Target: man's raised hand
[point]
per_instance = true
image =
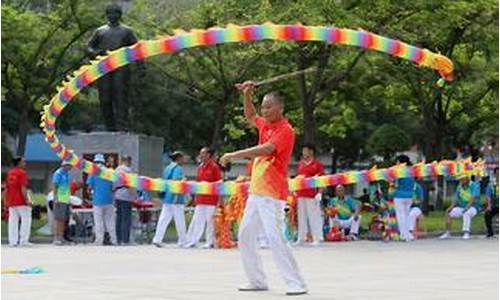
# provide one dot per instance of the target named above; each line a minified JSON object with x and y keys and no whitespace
{"x":246,"y":87}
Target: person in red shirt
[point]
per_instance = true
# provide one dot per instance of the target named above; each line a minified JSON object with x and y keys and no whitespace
{"x":208,"y":171}
{"x":268,"y":187}
{"x":18,"y":203}
{"x":309,"y":200}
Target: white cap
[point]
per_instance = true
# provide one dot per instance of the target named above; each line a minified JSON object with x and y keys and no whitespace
{"x":99,"y":158}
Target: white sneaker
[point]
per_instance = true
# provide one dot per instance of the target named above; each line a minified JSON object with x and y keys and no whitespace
{"x":159,"y":245}
{"x":189,"y":245}
{"x":263,"y":246}
{"x":353,"y":237}
{"x":252,"y":288}
{"x":208,"y":246}
{"x":26,"y":244}
{"x":466,"y":236}
{"x":298,"y":243}
{"x":58,"y":243}
{"x":445,"y":236}
{"x":316,"y":243}
{"x":296,"y":291}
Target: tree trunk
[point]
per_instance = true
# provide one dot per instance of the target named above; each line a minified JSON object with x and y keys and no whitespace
{"x":334,"y":162}
{"x":23,"y":133}
{"x":309,"y":121}
{"x":219,"y":121}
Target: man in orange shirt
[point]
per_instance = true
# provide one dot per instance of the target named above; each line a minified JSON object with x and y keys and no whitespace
{"x":308,"y":205}
{"x":18,"y":203}
{"x":268,"y":186}
{"x":205,"y":204}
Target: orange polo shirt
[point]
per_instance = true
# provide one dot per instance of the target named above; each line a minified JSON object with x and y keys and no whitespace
{"x":269,"y":173}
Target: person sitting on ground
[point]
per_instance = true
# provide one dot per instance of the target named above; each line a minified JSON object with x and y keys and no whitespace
{"x":348,"y":212}
{"x":416,"y":208}
{"x":365,"y":197}
{"x":465,"y":204}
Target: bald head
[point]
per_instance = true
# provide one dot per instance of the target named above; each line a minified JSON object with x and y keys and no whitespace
{"x":340,"y":191}
{"x":272,"y":107}
{"x":277,"y":97}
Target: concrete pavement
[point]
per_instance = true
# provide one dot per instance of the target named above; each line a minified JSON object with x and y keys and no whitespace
{"x":424,"y":269}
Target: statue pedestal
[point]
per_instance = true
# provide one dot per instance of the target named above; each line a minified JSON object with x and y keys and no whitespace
{"x":146,"y":151}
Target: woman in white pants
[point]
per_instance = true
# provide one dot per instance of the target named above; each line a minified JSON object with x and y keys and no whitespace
{"x":309,"y":200}
{"x":204,"y":211}
{"x":102,"y":205}
{"x":173,"y":204}
{"x":465,"y":205}
{"x":403,"y":198}
{"x":19,"y":204}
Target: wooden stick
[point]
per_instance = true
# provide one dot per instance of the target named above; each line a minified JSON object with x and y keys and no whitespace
{"x":284,"y":76}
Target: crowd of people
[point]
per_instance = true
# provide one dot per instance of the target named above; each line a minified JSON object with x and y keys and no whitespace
{"x":316,"y":208}
{"x":265,"y":207}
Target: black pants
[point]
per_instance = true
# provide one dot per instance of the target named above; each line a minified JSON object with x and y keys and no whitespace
{"x":123,"y":220}
{"x":488,"y":219}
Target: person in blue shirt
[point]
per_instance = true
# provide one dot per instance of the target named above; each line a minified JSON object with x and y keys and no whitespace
{"x":347,"y":212}
{"x":403,"y":198}
{"x":416,"y":207}
{"x":102,"y":201}
{"x":491,"y":203}
{"x":173,"y":204}
{"x":465,"y":204}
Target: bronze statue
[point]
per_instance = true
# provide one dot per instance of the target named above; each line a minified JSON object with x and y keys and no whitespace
{"x":113,"y":87}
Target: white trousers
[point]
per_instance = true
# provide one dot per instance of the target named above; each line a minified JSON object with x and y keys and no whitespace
{"x":104,"y":220}
{"x":266,"y":212}
{"x":415,"y":212}
{"x":17,"y":213}
{"x":467,"y":216}
{"x":169,"y":212}
{"x":350,"y":223}
{"x":402,"y":207}
{"x":261,"y":236}
{"x":203,"y":214}
{"x":309,"y":213}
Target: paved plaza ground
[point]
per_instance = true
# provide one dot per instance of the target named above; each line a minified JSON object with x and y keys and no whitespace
{"x":424,"y":269}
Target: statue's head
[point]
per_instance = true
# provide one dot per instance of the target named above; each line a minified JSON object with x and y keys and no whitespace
{"x":113,"y":13}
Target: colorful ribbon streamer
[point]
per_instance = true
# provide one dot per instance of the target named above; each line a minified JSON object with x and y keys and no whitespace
{"x":34,"y":270}
{"x":88,"y":74}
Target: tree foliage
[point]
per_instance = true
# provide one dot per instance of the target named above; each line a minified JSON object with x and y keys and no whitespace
{"x":188,"y":97}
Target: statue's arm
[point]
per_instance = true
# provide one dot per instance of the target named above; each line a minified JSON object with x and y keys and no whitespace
{"x":92,"y":49}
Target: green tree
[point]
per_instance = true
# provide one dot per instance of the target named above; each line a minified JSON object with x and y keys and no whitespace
{"x":387,"y":140}
{"x":39,"y":48}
